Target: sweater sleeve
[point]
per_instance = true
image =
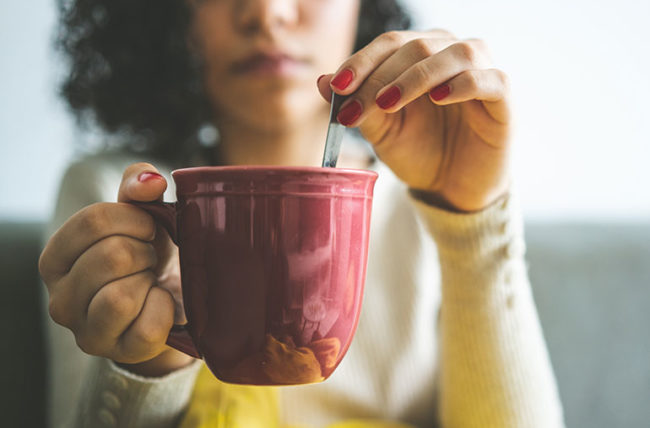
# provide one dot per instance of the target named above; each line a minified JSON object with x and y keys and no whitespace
{"x":114,"y":397}
{"x":494,"y":366}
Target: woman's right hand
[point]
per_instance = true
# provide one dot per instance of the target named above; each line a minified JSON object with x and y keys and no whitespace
{"x":103,"y":270}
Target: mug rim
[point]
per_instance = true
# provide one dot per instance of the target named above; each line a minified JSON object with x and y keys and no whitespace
{"x":273,"y":169}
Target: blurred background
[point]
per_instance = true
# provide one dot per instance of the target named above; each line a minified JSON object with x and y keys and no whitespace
{"x":580,"y":86}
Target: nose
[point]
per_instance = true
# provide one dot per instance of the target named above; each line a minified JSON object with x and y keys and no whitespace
{"x":265,"y":16}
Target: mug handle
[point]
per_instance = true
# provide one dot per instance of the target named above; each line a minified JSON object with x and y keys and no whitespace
{"x":164,"y":213}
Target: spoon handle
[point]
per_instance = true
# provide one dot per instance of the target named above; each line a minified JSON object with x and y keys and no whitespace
{"x":335,"y":133}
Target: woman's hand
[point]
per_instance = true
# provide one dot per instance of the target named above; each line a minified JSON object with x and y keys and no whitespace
{"x":435,"y":112}
{"x":104,"y":269}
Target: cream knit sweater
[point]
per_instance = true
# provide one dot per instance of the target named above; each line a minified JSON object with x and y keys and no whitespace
{"x":448,"y":335}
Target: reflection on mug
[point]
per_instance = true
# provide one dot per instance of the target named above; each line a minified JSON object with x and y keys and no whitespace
{"x":315,"y":304}
{"x":326,"y":351}
{"x":282,"y":363}
{"x":286,"y":364}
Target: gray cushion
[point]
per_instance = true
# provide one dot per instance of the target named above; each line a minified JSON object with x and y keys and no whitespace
{"x":22,"y":361}
{"x":592,"y":289}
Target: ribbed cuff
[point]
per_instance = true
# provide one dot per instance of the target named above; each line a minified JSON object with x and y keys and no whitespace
{"x":476,"y":248}
{"x":114,"y":397}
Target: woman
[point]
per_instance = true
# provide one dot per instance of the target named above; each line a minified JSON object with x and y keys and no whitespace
{"x":458,"y":345}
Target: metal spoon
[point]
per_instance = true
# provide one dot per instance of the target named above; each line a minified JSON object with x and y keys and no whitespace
{"x":335,"y":133}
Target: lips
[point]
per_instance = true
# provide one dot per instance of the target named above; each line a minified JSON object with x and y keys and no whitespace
{"x":269,"y":64}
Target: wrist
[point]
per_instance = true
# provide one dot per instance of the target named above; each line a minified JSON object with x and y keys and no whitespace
{"x":437,"y":200}
{"x":167,"y":362}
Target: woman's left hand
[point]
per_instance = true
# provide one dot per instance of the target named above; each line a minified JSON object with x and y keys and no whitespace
{"x":435,"y":111}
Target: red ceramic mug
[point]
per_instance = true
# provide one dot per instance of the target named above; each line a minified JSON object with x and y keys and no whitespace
{"x":273,"y":263}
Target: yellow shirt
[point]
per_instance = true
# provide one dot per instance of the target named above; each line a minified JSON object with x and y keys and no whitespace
{"x":216,"y":404}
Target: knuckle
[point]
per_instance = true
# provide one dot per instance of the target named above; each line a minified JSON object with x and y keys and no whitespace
{"x":466,"y":51}
{"x":391,"y":37}
{"x":150,"y":334}
{"x":117,"y":303}
{"x":43,"y":262}
{"x":471,"y":81}
{"x":478,"y":44}
{"x":441,"y":32}
{"x":154,"y":334}
{"x":420,"y":48}
{"x":89,"y":344}
{"x":482,"y":50}
{"x":83,"y":344}
{"x":360,"y":61}
{"x":119,"y":254}
{"x":94,"y":219}
{"x":58,"y":312}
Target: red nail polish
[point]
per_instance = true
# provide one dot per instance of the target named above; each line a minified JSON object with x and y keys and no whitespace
{"x":440,"y":92}
{"x":389,"y":98}
{"x":348,"y":114}
{"x":146,"y":176}
{"x":343,"y":79}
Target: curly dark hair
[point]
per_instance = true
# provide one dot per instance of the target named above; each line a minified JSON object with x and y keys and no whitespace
{"x":132,"y":73}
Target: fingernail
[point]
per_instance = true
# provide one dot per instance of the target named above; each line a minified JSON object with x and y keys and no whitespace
{"x":440,"y":92}
{"x":389,"y":98}
{"x":343,"y":79}
{"x":146,"y":176}
{"x":348,"y":114}
{"x":319,"y":78}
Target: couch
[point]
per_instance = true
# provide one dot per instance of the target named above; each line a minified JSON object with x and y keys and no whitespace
{"x":591,"y":284}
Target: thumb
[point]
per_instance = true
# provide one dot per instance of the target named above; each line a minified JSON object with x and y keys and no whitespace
{"x":141,"y":182}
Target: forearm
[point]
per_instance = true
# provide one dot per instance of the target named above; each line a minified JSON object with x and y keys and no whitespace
{"x":495,"y":370}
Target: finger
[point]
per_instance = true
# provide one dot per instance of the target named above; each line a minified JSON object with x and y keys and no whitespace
{"x":146,"y":336}
{"x":116,"y":305}
{"x":364,"y":103}
{"x":106,"y":261}
{"x":87,"y":227}
{"x":490,"y":86}
{"x":354,"y":71}
{"x":141,"y":182}
{"x":430,"y":72}
{"x":323,"y":84}
{"x":484,"y":96}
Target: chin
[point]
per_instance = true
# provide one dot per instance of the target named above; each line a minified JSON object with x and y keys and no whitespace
{"x":271,"y":121}
{"x":278,"y":110}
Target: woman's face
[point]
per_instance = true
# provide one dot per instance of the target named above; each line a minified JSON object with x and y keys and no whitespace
{"x":262,"y":57}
